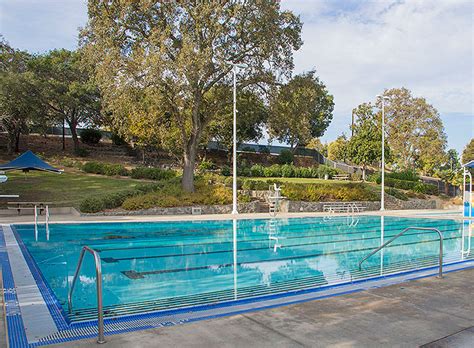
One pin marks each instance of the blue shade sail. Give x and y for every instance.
(29, 161)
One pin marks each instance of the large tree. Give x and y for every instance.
(468, 152)
(252, 115)
(67, 89)
(415, 131)
(300, 110)
(365, 146)
(19, 107)
(337, 149)
(157, 61)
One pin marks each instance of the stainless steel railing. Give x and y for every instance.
(431, 229)
(98, 273)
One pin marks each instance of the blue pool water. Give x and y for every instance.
(155, 266)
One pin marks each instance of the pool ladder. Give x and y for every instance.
(98, 280)
(430, 229)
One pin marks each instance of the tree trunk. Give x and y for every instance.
(363, 173)
(11, 142)
(189, 163)
(17, 141)
(73, 127)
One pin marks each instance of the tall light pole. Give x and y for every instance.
(382, 195)
(234, 133)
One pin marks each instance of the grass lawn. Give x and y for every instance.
(66, 189)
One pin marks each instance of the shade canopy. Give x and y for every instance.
(469, 164)
(28, 161)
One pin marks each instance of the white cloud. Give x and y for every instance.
(361, 48)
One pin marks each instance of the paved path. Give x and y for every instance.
(430, 311)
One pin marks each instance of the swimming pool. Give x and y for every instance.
(167, 265)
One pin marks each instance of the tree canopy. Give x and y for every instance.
(156, 62)
(364, 147)
(415, 131)
(300, 110)
(468, 152)
(337, 149)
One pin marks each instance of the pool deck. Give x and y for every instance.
(70, 218)
(429, 311)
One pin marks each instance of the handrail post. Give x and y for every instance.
(432, 229)
(98, 273)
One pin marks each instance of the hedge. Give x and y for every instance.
(286, 171)
(90, 136)
(418, 187)
(152, 173)
(98, 203)
(108, 169)
(334, 192)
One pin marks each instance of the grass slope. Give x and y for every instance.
(66, 189)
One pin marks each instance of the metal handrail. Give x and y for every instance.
(431, 229)
(98, 273)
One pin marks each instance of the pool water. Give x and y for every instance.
(163, 265)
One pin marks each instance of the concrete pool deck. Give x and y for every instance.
(430, 311)
(70, 218)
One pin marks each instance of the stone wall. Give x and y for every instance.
(300, 206)
(252, 207)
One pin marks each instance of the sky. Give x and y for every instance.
(358, 48)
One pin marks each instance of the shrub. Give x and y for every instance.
(91, 136)
(108, 169)
(396, 193)
(258, 184)
(417, 187)
(206, 165)
(256, 170)
(152, 173)
(356, 177)
(288, 171)
(172, 195)
(117, 139)
(407, 175)
(81, 152)
(286, 157)
(272, 171)
(225, 171)
(324, 170)
(98, 203)
(326, 192)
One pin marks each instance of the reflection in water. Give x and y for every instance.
(382, 236)
(466, 239)
(234, 249)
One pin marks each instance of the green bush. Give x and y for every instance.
(329, 192)
(417, 187)
(225, 171)
(288, 171)
(172, 195)
(113, 200)
(258, 185)
(286, 157)
(396, 193)
(152, 173)
(273, 171)
(90, 136)
(206, 165)
(256, 170)
(323, 170)
(407, 175)
(108, 169)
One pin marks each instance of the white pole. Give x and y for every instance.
(234, 155)
(382, 197)
(47, 222)
(36, 224)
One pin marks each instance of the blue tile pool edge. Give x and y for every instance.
(87, 329)
(15, 331)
